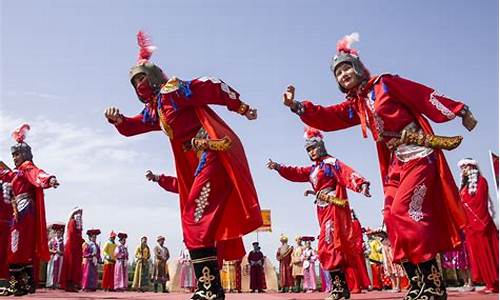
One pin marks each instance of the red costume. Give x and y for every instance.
(208, 203)
(213, 178)
(284, 256)
(257, 278)
(329, 178)
(71, 273)
(418, 202)
(5, 220)
(481, 233)
(357, 273)
(421, 198)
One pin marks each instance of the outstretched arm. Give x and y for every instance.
(296, 174)
(169, 183)
(424, 100)
(207, 90)
(129, 126)
(350, 178)
(326, 118)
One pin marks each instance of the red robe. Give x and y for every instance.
(481, 235)
(257, 276)
(71, 273)
(5, 219)
(182, 110)
(335, 239)
(285, 271)
(357, 274)
(389, 103)
(28, 234)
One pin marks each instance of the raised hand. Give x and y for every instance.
(152, 177)
(271, 165)
(468, 120)
(289, 96)
(53, 182)
(365, 189)
(113, 115)
(251, 113)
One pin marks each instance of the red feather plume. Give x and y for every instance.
(344, 44)
(310, 132)
(146, 49)
(20, 133)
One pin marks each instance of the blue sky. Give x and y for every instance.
(64, 62)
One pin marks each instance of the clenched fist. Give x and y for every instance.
(289, 96)
(113, 115)
(251, 114)
(152, 177)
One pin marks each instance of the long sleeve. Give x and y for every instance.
(330, 118)
(131, 126)
(348, 177)
(36, 176)
(206, 90)
(169, 183)
(7, 175)
(420, 98)
(296, 174)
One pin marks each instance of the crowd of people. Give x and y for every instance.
(424, 213)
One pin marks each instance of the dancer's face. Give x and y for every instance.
(18, 158)
(313, 152)
(346, 76)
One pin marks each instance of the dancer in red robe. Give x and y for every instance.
(28, 232)
(357, 273)
(330, 179)
(284, 257)
(481, 233)
(71, 273)
(256, 261)
(5, 221)
(213, 177)
(422, 209)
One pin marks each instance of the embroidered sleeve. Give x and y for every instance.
(422, 99)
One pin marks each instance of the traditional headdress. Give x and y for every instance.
(283, 238)
(58, 226)
(122, 235)
(112, 234)
(314, 138)
(308, 238)
(93, 231)
(19, 135)
(159, 238)
(155, 75)
(470, 179)
(346, 54)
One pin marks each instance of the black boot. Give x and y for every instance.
(18, 281)
(340, 290)
(30, 274)
(434, 287)
(207, 274)
(415, 280)
(164, 287)
(155, 285)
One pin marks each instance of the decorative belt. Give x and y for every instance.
(202, 142)
(325, 197)
(412, 134)
(21, 202)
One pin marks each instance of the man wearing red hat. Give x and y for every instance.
(422, 208)
(214, 180)
(71, 274)
(28, 233)
(256, 261)
(91, 258)
(329, 178)
(109, 263)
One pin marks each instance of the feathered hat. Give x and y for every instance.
(314, 138)
(347, 54)
(19, 135)
(155, 75)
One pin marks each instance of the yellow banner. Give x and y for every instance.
(266, 220)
